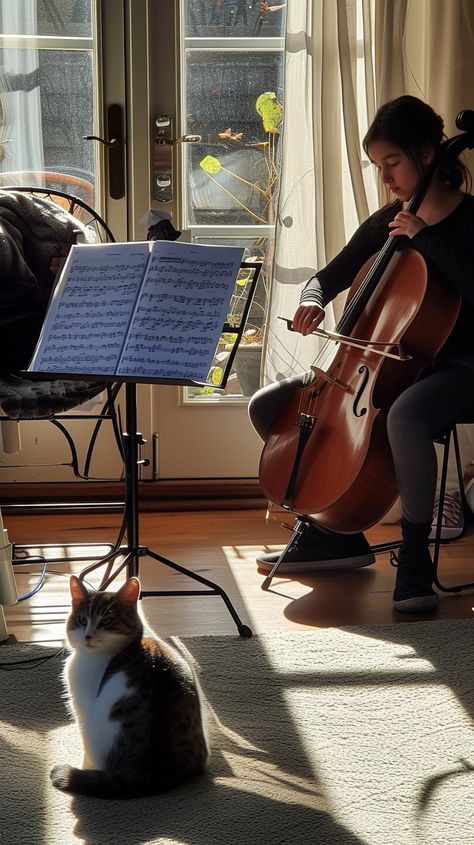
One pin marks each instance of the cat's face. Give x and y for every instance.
(102, 622)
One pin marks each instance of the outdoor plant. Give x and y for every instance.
(270, 111)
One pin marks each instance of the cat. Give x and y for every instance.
(135, 698)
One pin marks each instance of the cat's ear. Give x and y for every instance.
(129, 593)
(78, 592)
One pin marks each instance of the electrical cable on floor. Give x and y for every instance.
(33, 662)
(37, 586)
(30, 663)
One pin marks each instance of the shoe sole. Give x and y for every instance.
(448, 533)
(415, 604)
(288, 567)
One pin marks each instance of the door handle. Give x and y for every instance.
(163, 143)
(112, 143)
(115, 150)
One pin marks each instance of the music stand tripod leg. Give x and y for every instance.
(133, 551)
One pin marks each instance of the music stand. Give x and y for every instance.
(132, 551)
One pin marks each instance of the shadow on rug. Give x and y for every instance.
(350, 736)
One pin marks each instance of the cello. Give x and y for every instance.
(328, 453)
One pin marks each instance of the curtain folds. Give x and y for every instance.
(325, 191)
(343, 59)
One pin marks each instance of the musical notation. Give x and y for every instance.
(138, 309)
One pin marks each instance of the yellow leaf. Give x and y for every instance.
(270, 110)
(210, 164)
(216, 375)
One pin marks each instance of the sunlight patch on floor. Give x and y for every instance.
(378, 725)
(270, 782)
(238, 555)
(70, 551)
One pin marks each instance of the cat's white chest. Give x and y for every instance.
(84, 673)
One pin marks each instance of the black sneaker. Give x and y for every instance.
(414, 583)
(315, 549)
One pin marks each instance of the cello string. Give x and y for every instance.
(349, 316)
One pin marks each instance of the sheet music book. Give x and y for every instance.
(144, 309)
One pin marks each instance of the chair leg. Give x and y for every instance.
(455, 588)
(393, 544)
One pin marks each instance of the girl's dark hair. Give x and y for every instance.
(412, 125)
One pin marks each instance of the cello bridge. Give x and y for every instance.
(330, 380)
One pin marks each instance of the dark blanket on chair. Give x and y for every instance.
(21, 398)
(33, 232)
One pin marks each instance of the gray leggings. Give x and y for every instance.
(420, 414)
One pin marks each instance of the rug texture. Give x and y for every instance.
(350, 736)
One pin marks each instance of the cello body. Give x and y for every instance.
(342, 470)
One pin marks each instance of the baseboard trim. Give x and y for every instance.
(164, 495)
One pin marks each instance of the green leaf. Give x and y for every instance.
(270, 110)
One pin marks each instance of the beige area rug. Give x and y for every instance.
(351, 736)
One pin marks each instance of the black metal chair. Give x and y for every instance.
(50, 401)
(446, 439)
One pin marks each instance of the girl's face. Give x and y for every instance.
(397, 170)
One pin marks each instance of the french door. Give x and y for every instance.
(199, 90)
(55, 83)
(214, 79)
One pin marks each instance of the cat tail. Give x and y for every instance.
(98, 784)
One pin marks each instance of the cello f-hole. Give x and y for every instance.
(364, 371)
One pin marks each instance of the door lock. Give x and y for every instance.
(163, 143)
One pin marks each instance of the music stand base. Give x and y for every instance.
(130, 561)
(133, 550)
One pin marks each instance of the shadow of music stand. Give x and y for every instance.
(132, 551)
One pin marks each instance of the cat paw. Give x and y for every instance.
(61, 777)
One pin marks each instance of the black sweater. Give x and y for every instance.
(447, 245)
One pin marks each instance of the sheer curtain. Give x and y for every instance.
(21, 139)
(343, 59)
(426, 48)
(326, 188)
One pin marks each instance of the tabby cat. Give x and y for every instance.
(135, 698)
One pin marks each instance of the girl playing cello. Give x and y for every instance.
(402, 142)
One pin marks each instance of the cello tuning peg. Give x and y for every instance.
(465, 120)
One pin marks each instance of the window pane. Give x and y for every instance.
(233, 18)
(46, 103)
(46, 17)
(67, 109)
(232, 171)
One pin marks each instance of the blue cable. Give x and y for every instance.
(37, 586)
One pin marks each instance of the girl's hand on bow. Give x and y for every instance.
(406, 223)
(307, 317)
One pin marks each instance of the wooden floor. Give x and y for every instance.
(220, 546)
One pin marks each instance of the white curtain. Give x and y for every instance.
(326, 188)
(343, 59)
(21, 137)
(426, 48)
